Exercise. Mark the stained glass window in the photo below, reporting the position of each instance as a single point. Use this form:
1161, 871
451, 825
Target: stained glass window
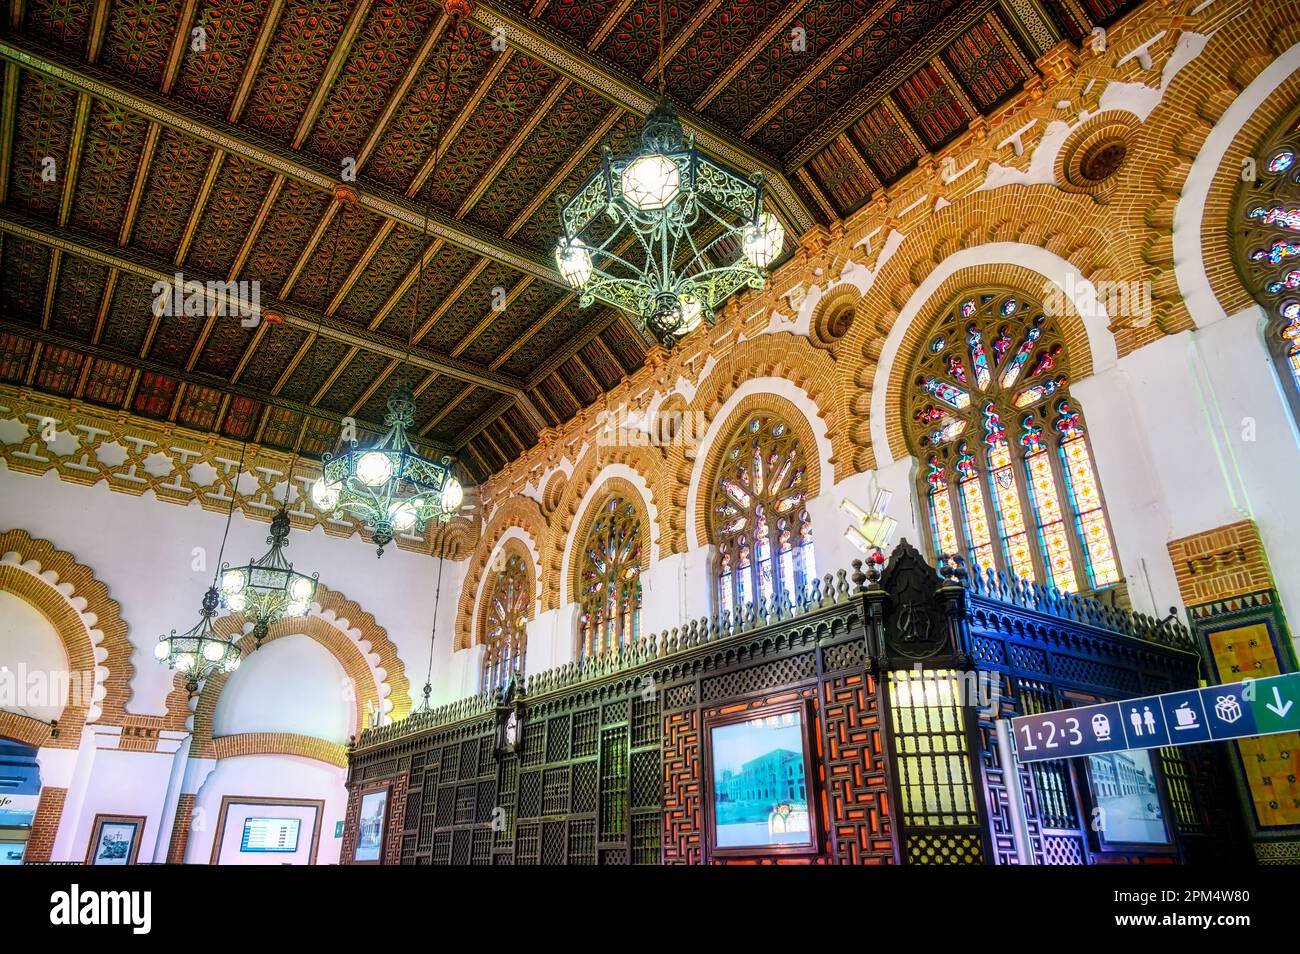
609, 582
504, 621
1009, 481
760, 524
1268, 246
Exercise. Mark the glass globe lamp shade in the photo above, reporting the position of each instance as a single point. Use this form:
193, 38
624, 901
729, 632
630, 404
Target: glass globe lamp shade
651, 182
213, 652
296, 608
402, 515
324, 495
692, 312
374, 468
302, 590
232, 582
185, 662
162, 649
236, 602
763, 240
574, 261
452, 495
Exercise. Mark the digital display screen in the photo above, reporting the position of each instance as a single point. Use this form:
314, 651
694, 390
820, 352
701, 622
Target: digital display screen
270, 834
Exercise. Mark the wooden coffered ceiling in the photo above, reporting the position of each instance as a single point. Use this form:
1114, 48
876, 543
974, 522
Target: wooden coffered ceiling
141, 138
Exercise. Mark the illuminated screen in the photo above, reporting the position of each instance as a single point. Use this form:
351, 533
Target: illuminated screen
270, 834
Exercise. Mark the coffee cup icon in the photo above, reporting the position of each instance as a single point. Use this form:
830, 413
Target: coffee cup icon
1185, 717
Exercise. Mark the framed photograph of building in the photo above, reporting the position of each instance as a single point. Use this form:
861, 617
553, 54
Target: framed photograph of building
760, 798
115, 840
372, 820
1126, 795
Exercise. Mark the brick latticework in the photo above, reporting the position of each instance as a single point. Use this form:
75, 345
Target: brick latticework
180, 839
1221, 563
45, 824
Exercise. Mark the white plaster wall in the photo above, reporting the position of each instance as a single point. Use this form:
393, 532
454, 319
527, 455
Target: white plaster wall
312, 691
269, 776
34, 676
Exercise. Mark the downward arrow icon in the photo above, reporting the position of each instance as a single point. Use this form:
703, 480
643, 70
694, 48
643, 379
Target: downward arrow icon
1276, 707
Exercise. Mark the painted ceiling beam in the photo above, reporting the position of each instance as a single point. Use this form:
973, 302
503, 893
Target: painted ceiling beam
257, 149
295, 316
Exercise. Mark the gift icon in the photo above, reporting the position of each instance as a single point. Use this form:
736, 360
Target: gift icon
1227, 708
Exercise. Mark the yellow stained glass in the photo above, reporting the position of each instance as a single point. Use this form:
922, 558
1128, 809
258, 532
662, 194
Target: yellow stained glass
1007, 497
1087, 511
1051, 523
977, 523
945, 527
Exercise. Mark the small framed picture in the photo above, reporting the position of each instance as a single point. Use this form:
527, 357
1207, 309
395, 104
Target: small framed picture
760, 798
115, 840
372, 822
1126, 796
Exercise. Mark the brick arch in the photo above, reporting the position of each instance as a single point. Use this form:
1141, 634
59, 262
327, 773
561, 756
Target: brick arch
1220, 203
89, 623
512, 546
1162, 156
1017, 278
25, 729
1038, 215
610, 486
518, 511
331, 623
647, 463
749, 405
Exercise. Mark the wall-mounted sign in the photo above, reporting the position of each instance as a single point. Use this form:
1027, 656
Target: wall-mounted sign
1212, 714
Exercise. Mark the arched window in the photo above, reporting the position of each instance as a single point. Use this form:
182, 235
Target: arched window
760, 525
609, 583
1268, 246
504, 624
1008, 481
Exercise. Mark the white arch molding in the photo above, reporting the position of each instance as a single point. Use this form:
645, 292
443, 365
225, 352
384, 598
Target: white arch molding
1189, 215
596, 490
1068, 280
781, 387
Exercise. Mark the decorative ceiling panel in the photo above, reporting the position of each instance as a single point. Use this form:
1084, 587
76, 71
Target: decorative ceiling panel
931, 106
988, 62
108, 383
284, 237
230, 211
272, 356
60, 24
59, 370
315, 367
579, 20
491, 286
171, 191
601, 364
337, 253
42, 133
843, 176
131, 315
76, 301
226, 344
629, 351
725, 36
885, 142
198, 408
534, 351
294, 66
385, 271
407, 139
353, 379
174, 340
470, 409
519, 317
444, 273
139, 38
502, 112
106, 170
15, 353
634, 43
25, 273
210, 76
386, 42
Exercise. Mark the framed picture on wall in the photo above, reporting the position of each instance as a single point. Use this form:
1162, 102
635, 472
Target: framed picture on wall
372, 821
115, 840
1126, 796
758, 766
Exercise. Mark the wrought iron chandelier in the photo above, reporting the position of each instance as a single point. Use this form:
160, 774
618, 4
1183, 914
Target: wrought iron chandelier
666, 233
390, 486
269, 588
201, 651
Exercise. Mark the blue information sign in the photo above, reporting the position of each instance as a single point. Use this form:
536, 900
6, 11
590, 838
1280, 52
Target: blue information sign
1252, 707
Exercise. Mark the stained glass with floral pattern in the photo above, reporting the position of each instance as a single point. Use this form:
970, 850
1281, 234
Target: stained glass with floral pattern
610, 579
1268, 216
504, 624
760, 524
1027, 503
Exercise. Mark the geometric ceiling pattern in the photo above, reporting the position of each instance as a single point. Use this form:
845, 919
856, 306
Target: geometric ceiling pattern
144, 138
